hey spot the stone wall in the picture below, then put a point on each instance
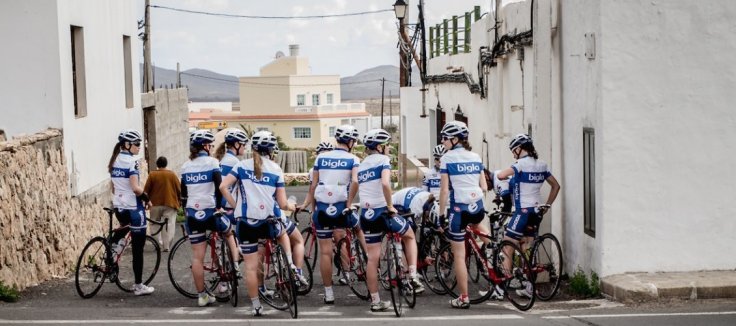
(42, 227)
(166, 117)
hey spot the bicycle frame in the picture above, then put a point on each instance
(470, 244)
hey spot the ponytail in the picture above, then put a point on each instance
(194, 151)
(258, 165)
(113, 157)
(220, 151)
(529, 149)
(466, 144)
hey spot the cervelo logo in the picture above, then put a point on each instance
(365, 176)
(536, 177)
(468, 168)
(194, 178)
(333, 164)
(118, 173)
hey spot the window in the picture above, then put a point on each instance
(261, 129)
(128, 68)
(300, 99)
(78, 80)
(329, 99)
(315, 99)
(302, 132)
(589, 181)
(331, 131)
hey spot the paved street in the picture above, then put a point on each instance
(56, 302)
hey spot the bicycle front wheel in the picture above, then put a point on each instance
(287, 283)
(307, 271)
(310, 247)
(443, 266)
(518, 282)
(180, 268)
(430, 247)
(357, 261)
(406, 290)
(92, 269)
(546, 261)
(394, 279)
(151, 261)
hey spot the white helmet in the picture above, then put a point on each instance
(346, 133)
(263, 141)
(438, 151)
(129, 135)
(236, 136)
(455, 129)
(375, 137)
(519, 140)
(201, 137)
(324, 146)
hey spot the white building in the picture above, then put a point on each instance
(630, 103)
(71, 65)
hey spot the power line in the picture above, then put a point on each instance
(281, 85)
(271, 17)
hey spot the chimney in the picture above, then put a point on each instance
(294, 50)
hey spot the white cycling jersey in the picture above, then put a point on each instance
(226, 165)
(335, 174)
(197, 175)
(411, 199)
(500, 187)
(125, 166)
(259, 202)
(431, 182)
(369, 178)
(463, 169)
(529, 175)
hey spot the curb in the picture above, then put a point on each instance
(643, 287)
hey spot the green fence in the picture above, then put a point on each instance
(450, 38)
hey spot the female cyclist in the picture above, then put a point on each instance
(431, 180)
(200, 179)
(262, 181)
(378, 214)
(129, 201)
(462, 169)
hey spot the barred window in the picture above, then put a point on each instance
(302, 132)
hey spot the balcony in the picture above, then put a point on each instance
(330, 108)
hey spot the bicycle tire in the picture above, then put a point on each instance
(546, 256)
(288, 287)
(311, 247)
(91, 271)
(231, 274)
(151, 262)
(430, 248)
(445, 270)
(383, 277)
(479, 289)
(180, 268)
(357, 278)
(394, 279)
(406, 291)
(271, 280)
(521, 273)
(307, 271)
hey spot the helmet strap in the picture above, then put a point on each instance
(454, 141)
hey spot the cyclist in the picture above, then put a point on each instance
(431, 180)
(129, 201)
(200, 179)
(378, 214)
(227, 153)
(529, 173)
(501, 188)
(419, 203)
(262, 181)
(462, 171)
(333, 188)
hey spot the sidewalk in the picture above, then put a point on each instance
(638, 287)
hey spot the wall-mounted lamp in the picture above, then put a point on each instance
(400, 9)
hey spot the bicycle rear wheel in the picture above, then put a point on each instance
(180, 268)
(307, 271)
(406, 290)
(151, 261)
(310, 247)
(230, 274)
(445, 271)
(271, 280)
(546, 262)
(357, 263)
(394, 278)
(383, 278)
(92, 269)
(479, 283)
(429, 250)
(287, 288)
(517, 273)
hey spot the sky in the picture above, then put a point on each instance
(238, 46)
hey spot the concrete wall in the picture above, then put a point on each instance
(168, 130)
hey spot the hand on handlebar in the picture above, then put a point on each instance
(544, 208)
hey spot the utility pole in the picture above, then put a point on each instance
(147, 69)
(383, 83)
(178, 76)
(390, 109)
(405, 64)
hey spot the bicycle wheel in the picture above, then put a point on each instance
(287, 288)
(546, 262)
(517, 275)
(406, 291)
(271, 280)
(151, 261)
(307, 271)
(430, 248)
(310, 247)
(180, 268)
(394, 274)
(92, 270)
(357, 263)
(383, 278)
(230, 274)
(445, 271)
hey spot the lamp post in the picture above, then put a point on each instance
(400, 9)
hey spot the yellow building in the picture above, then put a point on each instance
(303, 109)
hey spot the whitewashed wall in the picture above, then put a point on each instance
(414, 129)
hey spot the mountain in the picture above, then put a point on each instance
(209, 86)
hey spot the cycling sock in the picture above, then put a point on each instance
(255, 302)
(328, 291)
(413, 271)
(289, 258)
(375, 298)
(464, 297)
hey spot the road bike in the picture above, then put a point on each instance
(397, 276)
(279, 275)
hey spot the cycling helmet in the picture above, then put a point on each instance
(375, 137)
(236, 136)
(201, 137)
(129, 135)
(263, 141)
(519, 140)
(324, 146)
(455, 129)
(346, 133)
(438, 151)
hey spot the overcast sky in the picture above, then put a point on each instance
(238, 46)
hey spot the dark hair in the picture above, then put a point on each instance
(162, 162)
(466, 144)
(194, 151)
(114, 156)
(258, 162)
(489, 178)
(220, 151)
(529, 149)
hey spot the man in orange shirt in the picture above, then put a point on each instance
(164, 190)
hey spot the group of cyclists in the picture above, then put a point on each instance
(249, 191)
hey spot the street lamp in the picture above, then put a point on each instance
(400, 9)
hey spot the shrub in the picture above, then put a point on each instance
(580, 285)
(8, 294)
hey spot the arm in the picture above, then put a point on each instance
(183, 193)
(353, 186)
(312, 187)
(147, 187)
(505, 173)
(444, 192)
(386, 185)
(217, 179)
(283, 202)
(555, 189)
(229, 180)
(483, 182)
(135, 186)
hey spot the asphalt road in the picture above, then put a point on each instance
(56, 302)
